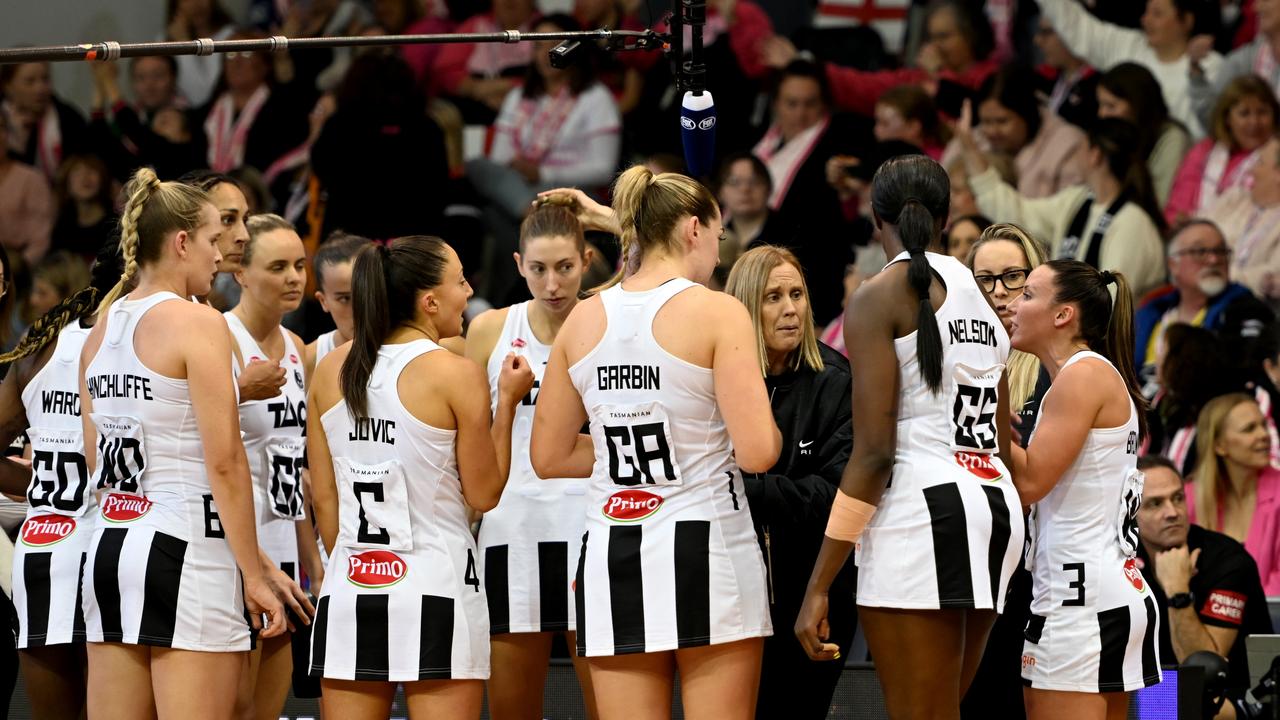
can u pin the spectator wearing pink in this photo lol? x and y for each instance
(486, 72)
(1250, 218)
(26, 206)
(423, 59)
(1242, 122)
(959, 49)
(1047, 151)
(1235, 490)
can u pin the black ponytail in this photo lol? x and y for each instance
(914, 193)
(385, 282)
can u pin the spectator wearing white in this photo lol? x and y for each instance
(1259, 57)
(560, 129)
(1243, 120)
(1110, 220)
(1250, 219)
(1160, 46)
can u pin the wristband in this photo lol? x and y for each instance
(849, 517)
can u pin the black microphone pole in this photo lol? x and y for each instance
(112, 50)
(697, 109)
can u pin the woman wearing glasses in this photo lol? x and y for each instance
(1001, 260)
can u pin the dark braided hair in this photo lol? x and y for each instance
(913, 192)
(107, 269)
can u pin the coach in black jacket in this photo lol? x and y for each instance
(790, 503)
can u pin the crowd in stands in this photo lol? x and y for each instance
(1139, 137)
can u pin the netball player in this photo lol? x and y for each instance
(941, 517)
(166, 609)
(332, 266)
(399, 445)
(258, 380)
(41, 396)
(532, 538)
(669, 576)
(1094, 622)
(272, 276)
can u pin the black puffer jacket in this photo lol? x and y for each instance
(791, 502)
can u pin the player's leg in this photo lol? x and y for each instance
(275, 673)
(1059, 705)
(720, 681)
(633, 687)
(584, 675)
(248, 684)
(919, 656)
(119, 681)
(977, 628)
(518, 672)
(356, 699)
(54, 677)
(191, 685)
(430, 699)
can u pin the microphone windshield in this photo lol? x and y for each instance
(698, 132)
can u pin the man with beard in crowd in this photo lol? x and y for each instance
(1200, 293)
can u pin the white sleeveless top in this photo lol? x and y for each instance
(397, 477)
(517, 337)
(59, 476)
(274, 430)
(1092, 511)
(961, 417)
(148, 441)
(324, 345)
(946, 533)
(654, 417)
(670, 558)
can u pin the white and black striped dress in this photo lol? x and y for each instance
(531, 540)
(159, 571)
(49, 555)
(948, 531)
(274, 432)
(1094, 623)
(402, 599)
(669, 559)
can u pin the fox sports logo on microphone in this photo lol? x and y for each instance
(689, 123)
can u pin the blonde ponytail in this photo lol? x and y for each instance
(153, 209)
(648, 208)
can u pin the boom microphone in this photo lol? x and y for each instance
(698, 108)
(698, 132)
